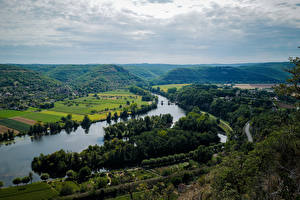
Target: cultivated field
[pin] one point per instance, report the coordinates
(253, 86)
(4, 129)
(13, 124)
(24, 120)
(166, 87)
(96, 106)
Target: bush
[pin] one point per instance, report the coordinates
(84, 173)
(101, 182)
(45, 176)
(66, 189)
(166, 172)
(176, 180)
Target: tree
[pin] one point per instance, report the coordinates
(1, 184)
(45, 176)
(17, 181)
(292, 87)
(25, 179)
(71, 174)
(30, 175)
(108, 118)
(86, 122)
(84, 173)
(116, 116)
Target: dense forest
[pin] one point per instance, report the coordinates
(21, 88)
(167, 73)
(224, 74)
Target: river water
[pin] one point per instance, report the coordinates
(15, 159)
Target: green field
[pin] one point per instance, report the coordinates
(166, 87)
(95, 107)
(11, 113)
(35, 191)
(15, 125)
(108, 101)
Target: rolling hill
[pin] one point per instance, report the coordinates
(20, 88)
(88, 78)
(247, 73)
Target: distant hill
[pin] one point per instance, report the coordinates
(89, 78)
(151, 71)
(244, 73)
(21, 87)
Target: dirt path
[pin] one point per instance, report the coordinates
(109, 179)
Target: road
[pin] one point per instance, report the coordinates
(247, 131)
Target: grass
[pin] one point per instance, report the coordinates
(57, 185)
(22, 127)
(43, 117)
(95, 108)
(107, 101)
(166, 87)
(11, 113)
(35, 191)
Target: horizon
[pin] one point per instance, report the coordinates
(240, 63)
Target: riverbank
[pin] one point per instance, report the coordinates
(16, 158)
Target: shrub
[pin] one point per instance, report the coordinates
(66, 189)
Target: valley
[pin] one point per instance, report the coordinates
(128, 139)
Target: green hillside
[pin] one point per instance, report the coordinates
(252, 73)
(273, 70)
(88, 78)
(20, 88)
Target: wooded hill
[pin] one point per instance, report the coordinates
(20, 88)
(88, 78)
(260, 73)
(29, 85)
(213, 73)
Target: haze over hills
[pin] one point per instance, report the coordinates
(215, 73)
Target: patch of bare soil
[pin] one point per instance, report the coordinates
(24, 120)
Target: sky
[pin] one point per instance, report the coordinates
(148, 31)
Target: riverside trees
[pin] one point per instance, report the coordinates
(147, 138)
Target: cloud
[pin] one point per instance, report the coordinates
(125, 31)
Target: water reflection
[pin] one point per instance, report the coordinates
(15, 158)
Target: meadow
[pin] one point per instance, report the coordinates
(96, 106)
(35, 191)
(166, 87)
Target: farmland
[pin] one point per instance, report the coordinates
(35, 191)
(166, 87)
(19, 126)
(254, 86)
(96, 106)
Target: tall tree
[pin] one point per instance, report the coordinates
(30, 175)
(292, 87)
(17, 181)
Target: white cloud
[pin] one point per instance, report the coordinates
(184, 31)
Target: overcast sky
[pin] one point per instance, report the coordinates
(153, 31)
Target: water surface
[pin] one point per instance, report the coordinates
(15, 159)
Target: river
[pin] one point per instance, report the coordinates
(15, 159)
